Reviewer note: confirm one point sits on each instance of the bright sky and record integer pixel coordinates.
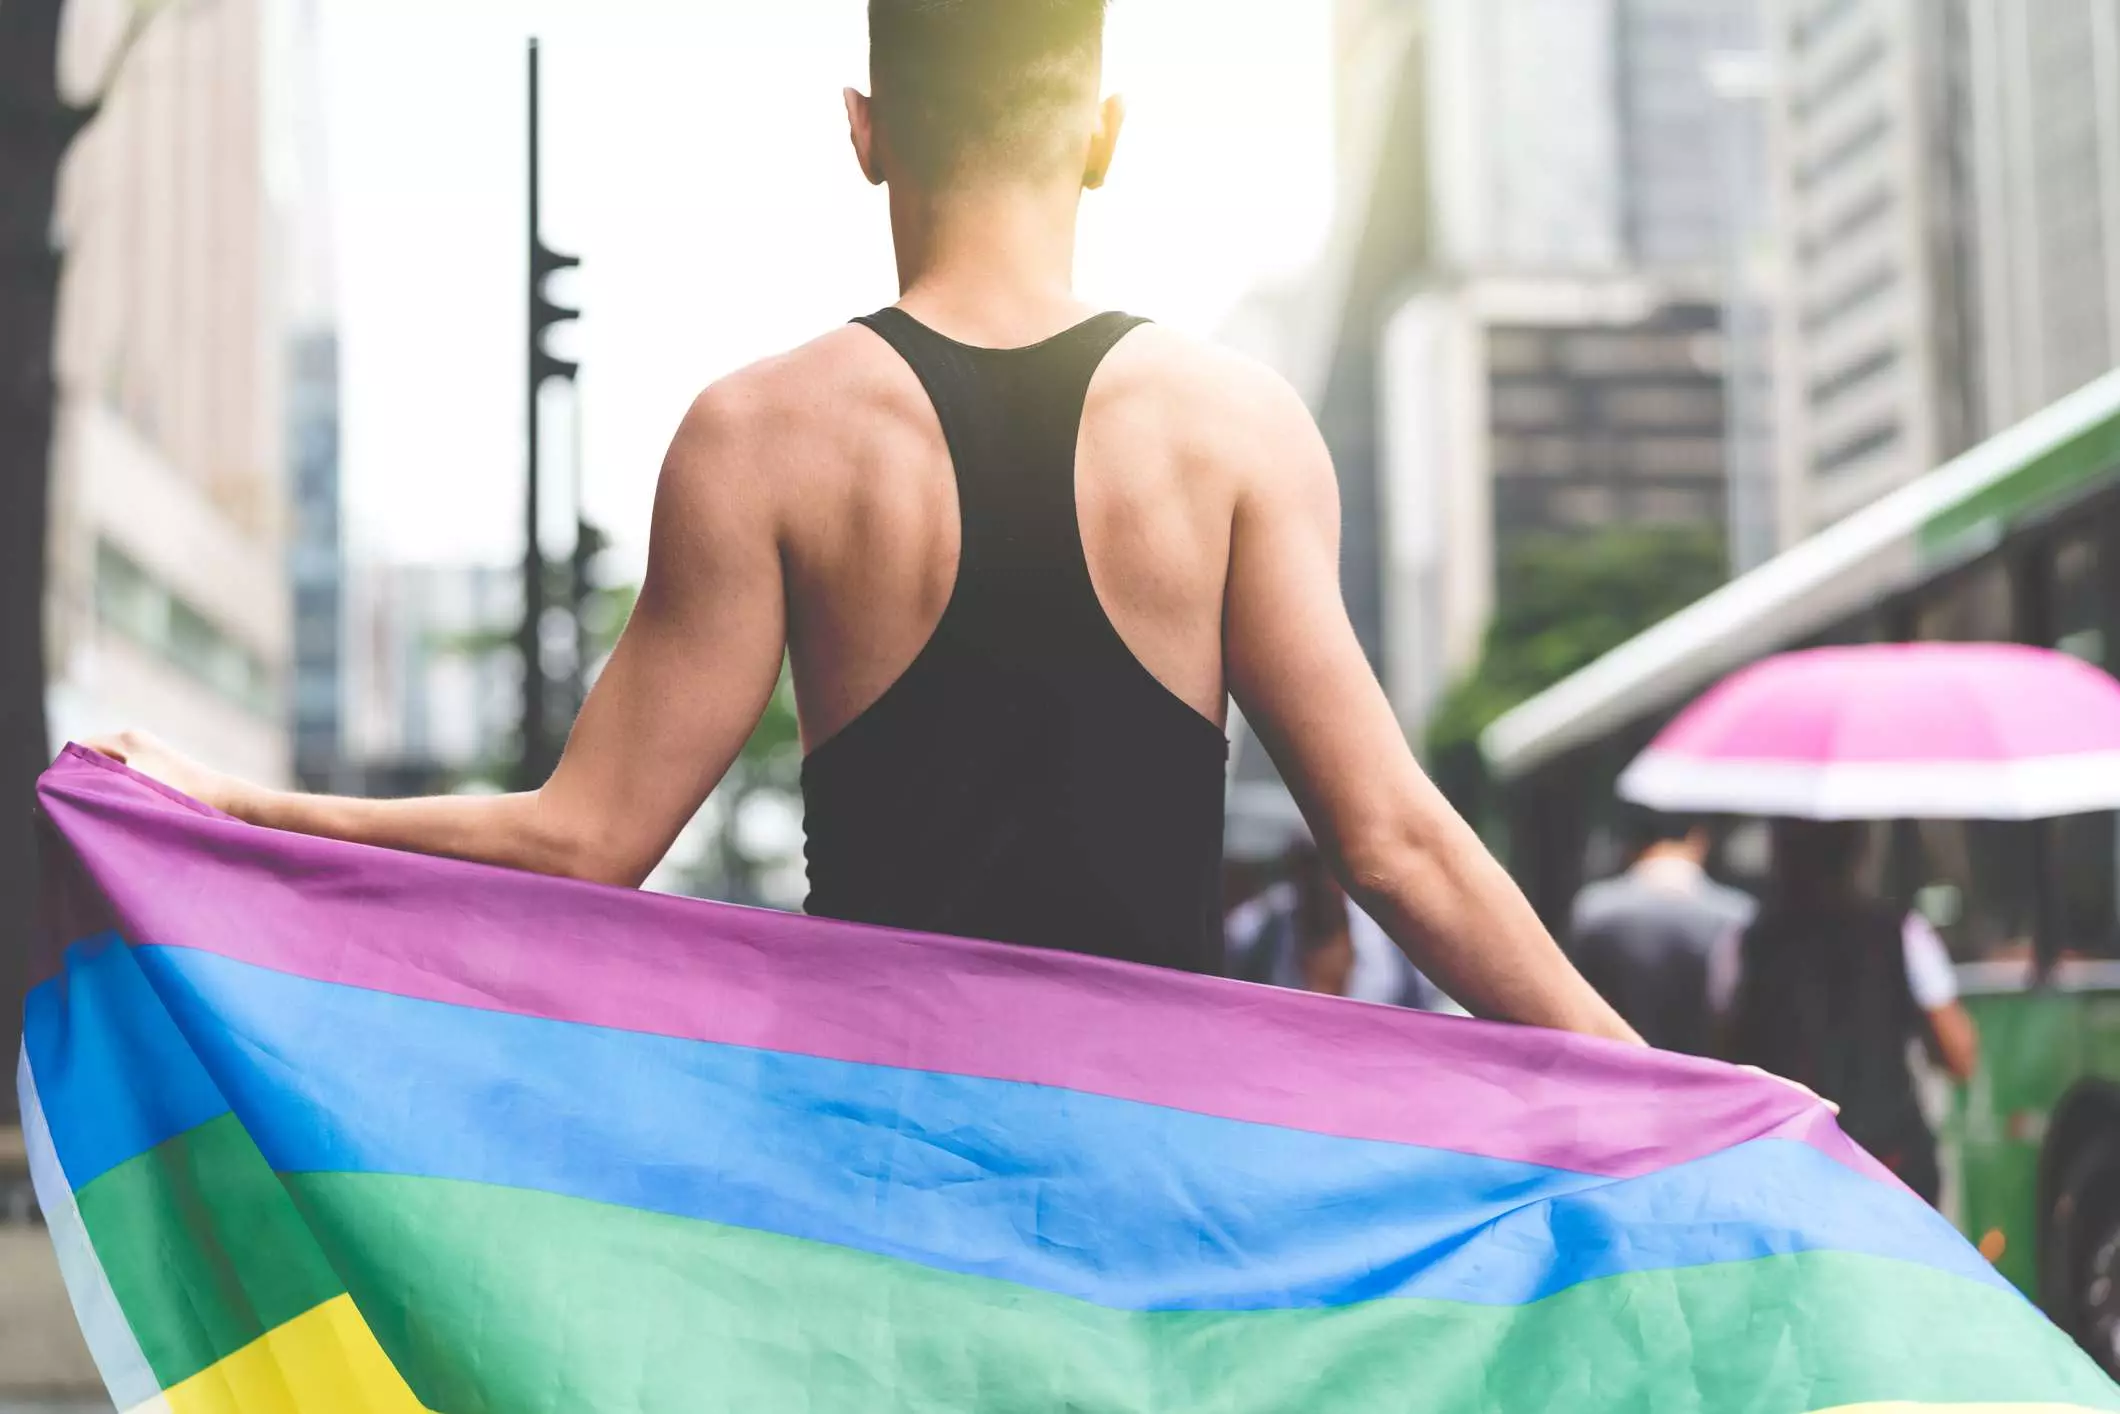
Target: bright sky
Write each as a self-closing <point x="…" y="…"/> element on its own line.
<point x="696" y="158"/>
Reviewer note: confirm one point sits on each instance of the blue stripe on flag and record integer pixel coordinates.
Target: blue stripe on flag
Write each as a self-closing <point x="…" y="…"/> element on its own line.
<point x="116" y="1076"/>
<point x="1125" y="1204"/>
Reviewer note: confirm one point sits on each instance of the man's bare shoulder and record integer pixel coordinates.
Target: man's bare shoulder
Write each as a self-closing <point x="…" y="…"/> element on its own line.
<point x="1214" y="402"/>
<point x="785" y="402"/>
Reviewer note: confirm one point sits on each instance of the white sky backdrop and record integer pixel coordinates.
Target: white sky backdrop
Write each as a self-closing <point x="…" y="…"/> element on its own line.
<point x="695" y="157"/>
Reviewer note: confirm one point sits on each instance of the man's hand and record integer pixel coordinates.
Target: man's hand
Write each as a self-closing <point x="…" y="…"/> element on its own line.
<point x="151" y="758"/>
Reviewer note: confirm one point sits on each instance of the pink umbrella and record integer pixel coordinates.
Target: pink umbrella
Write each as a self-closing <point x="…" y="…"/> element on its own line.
<point x="1893" y="731"/>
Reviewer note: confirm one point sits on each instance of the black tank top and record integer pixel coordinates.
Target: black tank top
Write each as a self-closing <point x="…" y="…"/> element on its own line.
<point x="1026" y="780"/>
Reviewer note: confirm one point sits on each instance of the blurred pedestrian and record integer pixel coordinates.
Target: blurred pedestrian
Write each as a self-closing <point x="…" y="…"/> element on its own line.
<point x="1831" y="986"/>
<point x="1644" y="937"/>
<point x="1303" y="932"/>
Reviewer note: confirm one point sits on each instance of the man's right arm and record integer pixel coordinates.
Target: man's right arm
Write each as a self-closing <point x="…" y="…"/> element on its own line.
<point x="688" y="681"/>
<point x="1299" y="674"/>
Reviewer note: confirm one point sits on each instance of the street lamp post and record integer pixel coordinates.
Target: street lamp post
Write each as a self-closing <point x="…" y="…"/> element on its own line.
<point x="539" y="752"/>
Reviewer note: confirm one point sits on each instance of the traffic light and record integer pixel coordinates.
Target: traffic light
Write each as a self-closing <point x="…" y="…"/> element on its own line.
<point x="540" y="733"/>
<point x="545" y="312"/>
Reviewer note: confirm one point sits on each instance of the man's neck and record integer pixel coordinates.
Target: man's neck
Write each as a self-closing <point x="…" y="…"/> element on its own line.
<point x="989" y="264"/>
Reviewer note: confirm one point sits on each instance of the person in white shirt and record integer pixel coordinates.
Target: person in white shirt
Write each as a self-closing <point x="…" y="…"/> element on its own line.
<point x="1828" y="985"/>
<point x="1932" y="979"/>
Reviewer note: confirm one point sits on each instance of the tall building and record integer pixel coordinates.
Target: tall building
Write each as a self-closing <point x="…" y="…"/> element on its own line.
<point x="1516" y="327"/>
<point x="1522" y="408"/>
<point x="2044" y="85"/>
<point x="1555" y="359"/>
<point x="316" y="549"/>
<point x="1948" y="184"/>
<point x="317" y="561"/>
<point x="1524" y="135"/>
<point x="1690" y="145"/>
<point x="1585" y="136"/>
<point x="431" y="691"/>
<point x="167" y="605"/>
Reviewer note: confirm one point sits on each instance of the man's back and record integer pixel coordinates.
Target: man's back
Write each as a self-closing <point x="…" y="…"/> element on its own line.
<point x="851" y="452"/>
<point x="1004" y="571"/>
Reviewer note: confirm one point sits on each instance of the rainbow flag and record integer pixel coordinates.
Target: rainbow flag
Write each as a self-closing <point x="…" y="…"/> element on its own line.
<point x="324" y="1128"/>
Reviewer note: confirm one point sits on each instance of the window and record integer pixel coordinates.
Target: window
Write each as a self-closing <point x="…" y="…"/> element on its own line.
<point x="1517" y="404"/>
<point x="1976" y="607"/>
<point x="1979" y="874"/>
<point x="1974" y="880"/>
<point x="1826" y="391"/>
<point x="1633" y="354"/>
<point x="1582" y="506"/>
<point x="2083" y="848"/>
<point x="1669" y="407"/>
<point x="1516" y="351"/>
<point x="1857" y="294"/>
<point x="1841" y="455"/>
<point x="1821" y="20"/>
<point x="1865" y="136"/>
<point x="1536" y="456"/>
<point x="1679" y="456"/>
<point x="1850" y="70"/>
<point x="1672" y="505"/>
<point x="135" y="604"/>
<point x="1855" y="218"/>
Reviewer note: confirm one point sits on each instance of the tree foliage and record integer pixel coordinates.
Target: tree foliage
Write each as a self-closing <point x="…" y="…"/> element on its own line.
<point x="1564" y="602"/>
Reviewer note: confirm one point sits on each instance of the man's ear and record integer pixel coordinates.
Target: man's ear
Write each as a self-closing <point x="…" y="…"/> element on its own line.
<point x="1104" y="141"/>
<point x="862" y="131"/>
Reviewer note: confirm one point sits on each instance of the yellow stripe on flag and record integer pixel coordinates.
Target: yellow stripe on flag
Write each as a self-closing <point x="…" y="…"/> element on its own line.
<point x="325" y="1361"/>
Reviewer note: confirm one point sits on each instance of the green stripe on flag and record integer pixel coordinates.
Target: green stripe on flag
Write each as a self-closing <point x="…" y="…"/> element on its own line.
<point x="204" y="1249"/>
<point x="502" y="1299"/>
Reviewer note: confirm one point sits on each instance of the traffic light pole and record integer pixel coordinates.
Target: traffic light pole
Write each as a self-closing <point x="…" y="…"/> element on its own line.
<point x="539" y="740"/>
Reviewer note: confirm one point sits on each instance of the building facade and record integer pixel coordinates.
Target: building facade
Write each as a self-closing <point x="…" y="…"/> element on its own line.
<point x="1947" y="176"/>
<point x="1555" y="360"/>
<point x="2044" y="96"/>
<point x="168" y="606"/>
<point x="1521" y="408"/>
<point x="316" y="535"/>
<point x="1525" y="187"/>
<point x="431" y="687"/>
<point x="316" y="563"/>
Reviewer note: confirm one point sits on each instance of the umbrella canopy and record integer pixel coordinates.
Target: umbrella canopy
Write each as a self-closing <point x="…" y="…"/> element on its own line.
<point x="1893" y="731"/>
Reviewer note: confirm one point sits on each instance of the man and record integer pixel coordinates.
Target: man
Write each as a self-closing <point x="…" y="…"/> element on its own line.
<point x="1304" y="932"/>
<point x="1018" y="553"/>
<point x="1644" y="938"/>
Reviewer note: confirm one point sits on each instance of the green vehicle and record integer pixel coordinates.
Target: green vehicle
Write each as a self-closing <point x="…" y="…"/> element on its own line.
<point x="2018" y="540"/>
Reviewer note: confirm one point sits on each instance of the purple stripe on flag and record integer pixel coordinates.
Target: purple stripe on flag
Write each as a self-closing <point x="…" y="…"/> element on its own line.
<point x="494" y="939"/>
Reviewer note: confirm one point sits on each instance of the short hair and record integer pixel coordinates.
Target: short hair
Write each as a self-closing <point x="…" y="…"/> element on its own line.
<point x="963" y="85"/>
<point x="1644" y="829"/>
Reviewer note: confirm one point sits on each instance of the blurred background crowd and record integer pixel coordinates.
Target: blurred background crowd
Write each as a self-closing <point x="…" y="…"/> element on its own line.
<point x="1649" y="337"/>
